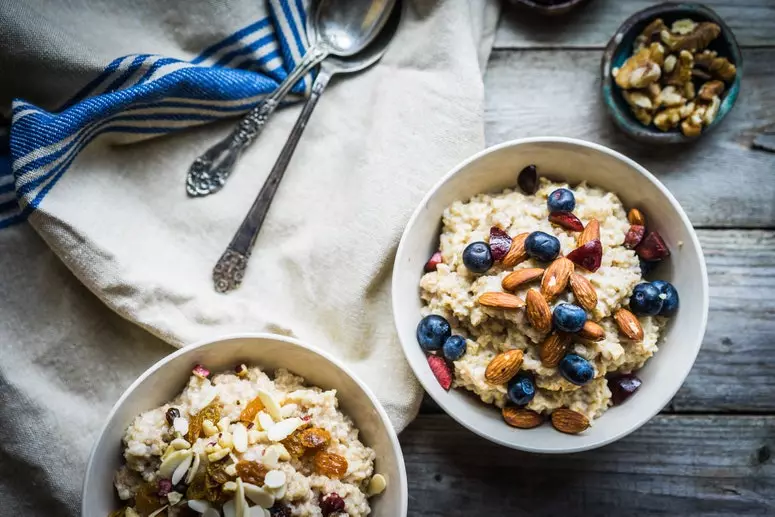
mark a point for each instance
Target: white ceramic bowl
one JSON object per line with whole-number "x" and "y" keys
{"x": 572, "y": 160}
{"x": 164, "y": 380}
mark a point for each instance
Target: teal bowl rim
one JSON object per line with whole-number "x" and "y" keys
{"x": 623, "y": 116}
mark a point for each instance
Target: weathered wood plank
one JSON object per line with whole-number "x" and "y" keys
{"x": 720, "y": 181}
{"x": 674, "y": 465}
{"x": 592, "y": 25}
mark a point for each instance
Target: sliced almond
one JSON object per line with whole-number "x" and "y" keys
{"x": 159, "y": 511}
{"x": 501, "y": 300}
{"x": 569, "y": 421}
{"x": 181, "y": 469}
{"x": 198, "y": 505}
{"x": 553, "y": 348}
{"x": 180, "y": 444}
{"x": 264, "y": 420}
{"x": 590, "y": 233}
{"x": 377, "y": 485}
{"x": 556, "y": 277}
{"x": 274, "y": 479}
{"x": 592, "y": 331}
{"x": 283, "y": 429}
{"x": 517, "y": 251}
{"x": 240, "y": 503}
{"x": 171, "y": 462}
{"x": 259, "y": 495}
{"x": 180, "y": 425}
{"x": 218, "y": 455}
{"x": 194, "y": 469}
{"x": 239, "y": 437}
{"x": 503, "y": 367}
{"x": 521, "y": 417}
{"x": 635, "y": 216}
{"x": 584, "y": 291}
{"x": 271, "y": 458}
{"x": 270, "y": 403}
{"x": 628, "y": 324}
{"x": 539, "y": 314}
{"x": 517, "y": 278}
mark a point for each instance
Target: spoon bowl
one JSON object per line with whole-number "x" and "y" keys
{"x": 345, "y": 27}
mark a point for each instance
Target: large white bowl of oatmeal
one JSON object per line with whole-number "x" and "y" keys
{"x": 252, "y": 425}
{"x": 522, "y": 372}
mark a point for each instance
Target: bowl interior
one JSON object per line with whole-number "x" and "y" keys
{"x": 573, "y": 161}
{"x": 620, "y": 49}
{"x": 167, "y": 378}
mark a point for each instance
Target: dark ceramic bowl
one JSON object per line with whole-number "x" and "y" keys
{"x": 549, "y": 8}
{"x": 620, "y": 48}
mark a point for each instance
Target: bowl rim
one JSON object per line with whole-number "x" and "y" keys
{"x": 401, "y": 250}
{"x": 623, "y": 119}
{"x": 161, "y": 363}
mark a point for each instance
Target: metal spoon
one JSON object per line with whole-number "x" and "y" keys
{"x": 343, "y": 28}
{"x": 230, "y": 269}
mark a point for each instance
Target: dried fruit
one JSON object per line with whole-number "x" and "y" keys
{"x": 711, "y": 89}
{"x": 250, "y": 411}
{"x": 434, "y": 261}
{"x": 528, "y": 179}
{"x": 566, "y": 220}
{"x": 503, "y": 367}
{"x": 634, "y": 236}
{"x": 315, "y": 438}
{"x": 500, "y": 243}
{"x": 163, "y": 487}
{"x": 241, "y": 370}
{"x": 590, "y": 233}
{"x": 628, "y": 324}
{"x": 441, "y": 371}
{"x": 147, "y": 500}
{"x": 635, "y": 216}
{"x": 569, "y": 421}
{"x": 652, "y": 247}
{"x": 330, "y": 465}
{"x": 520, "y": 277}
{"x": 622, "y": 387}
{"x": 589, "y": 256}
{"x": 294, "y": 445}
{"x": 200, "y": 371}
{"x": 583, "y": 291}
{"x": 280, "y": 510}
{"x": 538, "y": 313}
{"x": 171, "y": 415}
{"x": 553, "y": 348}
{"x": 517, "y": 251}
{"x": 699, "y": 38}
{"x": 331, "y": 503}
{"x": 556, "y": 277}
{"x": 250, "y": 471}
{"x": 521, "y": 417}
{"x": 592, "y": 331}
{"x": 501, "y": 300}
{"x": 211, "y": 412}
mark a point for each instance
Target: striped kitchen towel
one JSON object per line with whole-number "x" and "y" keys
{"x": 134, "y": 96}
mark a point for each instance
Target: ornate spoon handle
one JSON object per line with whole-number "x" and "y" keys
{"x": 230, "y": 269}
{"x": 210, "y": 171}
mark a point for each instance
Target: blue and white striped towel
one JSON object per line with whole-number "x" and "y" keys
{"x": 140, "y": 96}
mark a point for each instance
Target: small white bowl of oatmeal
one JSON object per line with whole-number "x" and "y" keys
{"x": 536, "y": 294}
{"x": 250, "y": 425}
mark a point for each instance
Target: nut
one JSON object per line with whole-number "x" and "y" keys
{"x": 503, "y": 367}
{"x": 590, "y": 233}
{"x": 689, "y": 90}
{"x": 682, "y": 73}
{"x": 517, "y": 251}
{"x": 683, "y": 26}
{"x": 569, "y": 421}
{"x": 711, "y": 111}
{"x": 637, "y": 99}
{"x": 670, "y": 97}
{"x": 668, "y": 119}
{"x": 635, "y": 216}
{"x": 686, "y": 110}
{"x": 719, "y": 67}
{"x": 553, "y": 348}
{"x": 539, "y": 315}
{"x": 520, "y": 277}
{"x": 640, "y": 69}
{"x": 501, "y": 300}
{"x": 689, "y": 129}
{"x": 670, "y": 62}
{"x": 643, "y": 116}
{"x": 628, "y": 324}
{"x": 585, "y": 293}
{"x": 697, "y": 39}
{"x": 556, "y": 277}
{"x": 591, "y": 331}
{"x": 521, "y": 417}
{"x": 710, "y": 90}
{"x": 650, "y": 34}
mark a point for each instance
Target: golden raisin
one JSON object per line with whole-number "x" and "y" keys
{"x": 315, "y": 438}
{"x": 198, "y": 488}
{"x": 251, "y": 410}
{"x": 330, "y": 465}
{"x": 211, "y": 412}
{"x": 293, "y": 444}
{"x": 146, "y": 500}
{"x": 216, "y": 474}
{"x": 251, "y": 472}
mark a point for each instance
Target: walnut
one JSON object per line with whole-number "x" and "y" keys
{"x": 689, "y": 90}
{"x": 711, "y": 111}
{"x": 638, "y": 99}
{"x": 682, "y": 73}
{"x": 644, "y": 116}
{"x": 667, "y": 119}
{"x": 718, "y": 67}
{"x": 689, "y": 129}
{"x": 711, "y": 89}
{"x": 670, "y": 97}
{"x": 683, "y": 27}
{"x": 670, "y": 62}
{"x": 701, "y": 75}
{"x": 650, "y": 34}
{"x": 640, "y": 69}
{"x": 687, "y": 109}
{"x": 699, "y": 38}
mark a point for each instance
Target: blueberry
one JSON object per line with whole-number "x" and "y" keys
{"x": 645, "y": 300}
{"x": 454, "y": 348}
{"x": 521, "y": 389}
{"x": 561, "y": 200}
{"x": 432, "y": 332}
{"x": 568, "y": 317}
{"x": 647, "y": 267}
{"x": 542, "y": 246}
{"x": 478, "y": 257}
{"x": 669, "y": 296}
{"x": 576, "y": 369}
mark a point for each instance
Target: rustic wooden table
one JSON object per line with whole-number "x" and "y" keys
{"x": 710, "y": 451}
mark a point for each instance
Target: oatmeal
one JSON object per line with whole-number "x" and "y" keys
{"x": 245, "y": 444}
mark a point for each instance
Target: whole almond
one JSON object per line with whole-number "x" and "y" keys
{"x": 628, "y": 324}
{"x": 539, "y": 315}
{"x": 521, "y": 276}
{"x": 585, "y": 293}
{"x": 635, "y": 216}
{"x": 503, "y": 367}
{"x": 569, "y": 421}
{"x": 521, "y": 417}
{"x": 517, "y": 251}
{"x": 590, "y": 233}
{"x": 501, "y": 300}
{"x": 556, "y": 277}
{"x": 553, "y": 348}
{"x": 592, "y": 331}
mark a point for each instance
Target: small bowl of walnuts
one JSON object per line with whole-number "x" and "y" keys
{"x": 671, "y": 73}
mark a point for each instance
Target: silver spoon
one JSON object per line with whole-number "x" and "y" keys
{"x": 230, "y": 269}
{"x": 343, "y": 28}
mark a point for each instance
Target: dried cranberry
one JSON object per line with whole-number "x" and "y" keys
{"x": 172, "y": 414}
{"x": 622, "y": 387}
{"x": 588, "y": 256}
{"x": 500, "y": 243}
{"x": 528, "y": 179}
{"x": 566, "y": 220}
{"x": 280, "y": 510}
{"x": 634, "y": 236}
{"x": 652, "y": 247}
{"x": 164, "y": 487}
{"x": 331, "y": 503}
{"x": 434, "y": 261}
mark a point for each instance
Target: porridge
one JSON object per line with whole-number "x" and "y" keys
{"x": 243, "y": 444}
{"x": 537, "y": 303}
